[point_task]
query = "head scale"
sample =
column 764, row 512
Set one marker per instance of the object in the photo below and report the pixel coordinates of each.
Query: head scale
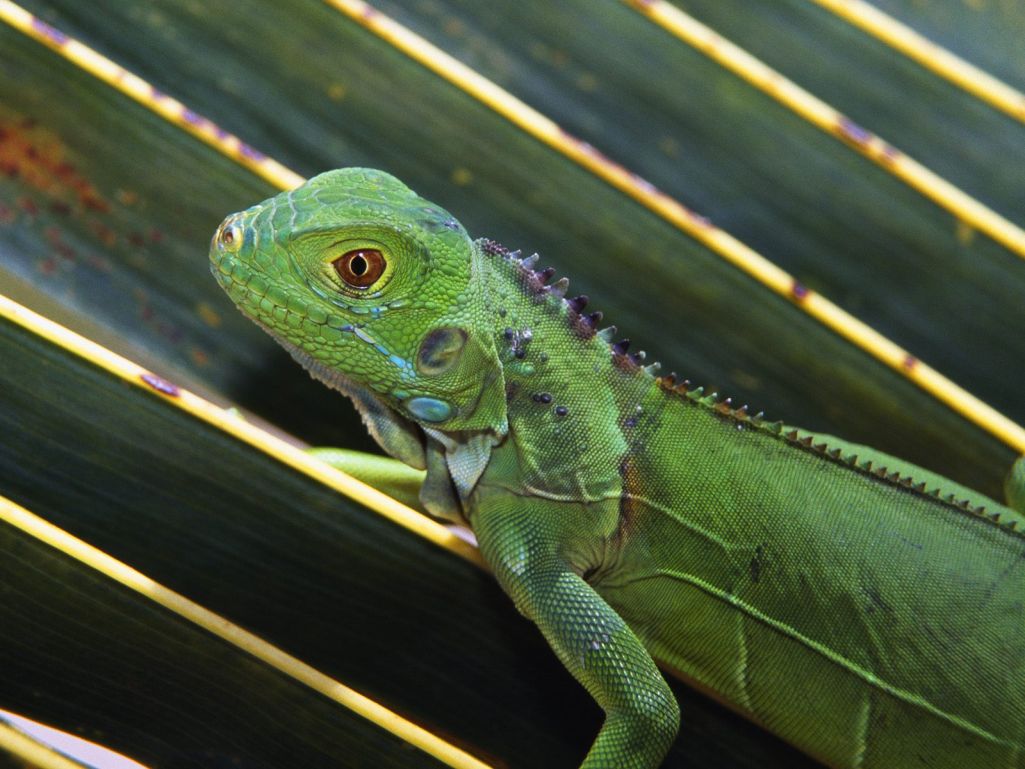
column 372, row 288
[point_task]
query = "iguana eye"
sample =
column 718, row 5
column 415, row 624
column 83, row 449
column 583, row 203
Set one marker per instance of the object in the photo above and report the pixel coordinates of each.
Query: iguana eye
column 360, row 268
column 231, row 237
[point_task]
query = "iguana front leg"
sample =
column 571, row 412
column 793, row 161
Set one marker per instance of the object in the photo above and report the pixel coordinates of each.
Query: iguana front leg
column 523, row 546
column 391, row 476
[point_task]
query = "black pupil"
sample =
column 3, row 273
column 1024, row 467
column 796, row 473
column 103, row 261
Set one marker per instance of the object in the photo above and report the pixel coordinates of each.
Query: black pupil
column 359, row 265
column 229, row 236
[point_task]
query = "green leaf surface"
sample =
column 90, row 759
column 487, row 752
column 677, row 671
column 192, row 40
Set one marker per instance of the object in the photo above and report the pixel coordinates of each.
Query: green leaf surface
column 101, row 658
column 105, row 216
column 988, row 34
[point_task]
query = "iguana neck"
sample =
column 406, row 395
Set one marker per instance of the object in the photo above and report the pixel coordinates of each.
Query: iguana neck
column 565, row 383
column 581, row 408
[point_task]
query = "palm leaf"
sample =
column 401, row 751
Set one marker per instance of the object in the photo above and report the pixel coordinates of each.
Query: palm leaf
column 107, row 210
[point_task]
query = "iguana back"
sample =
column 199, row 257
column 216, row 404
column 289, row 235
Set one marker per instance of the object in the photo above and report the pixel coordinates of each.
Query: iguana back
column 866, row 610
column 867, row 622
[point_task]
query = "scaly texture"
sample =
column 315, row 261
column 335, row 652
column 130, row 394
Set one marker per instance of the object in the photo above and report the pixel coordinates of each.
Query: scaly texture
column 866, row 610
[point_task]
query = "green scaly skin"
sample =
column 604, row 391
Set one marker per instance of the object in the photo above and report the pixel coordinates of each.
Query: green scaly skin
column 872, row 617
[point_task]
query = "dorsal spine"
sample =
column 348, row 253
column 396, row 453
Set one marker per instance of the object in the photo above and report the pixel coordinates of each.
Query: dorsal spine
column 538, row 282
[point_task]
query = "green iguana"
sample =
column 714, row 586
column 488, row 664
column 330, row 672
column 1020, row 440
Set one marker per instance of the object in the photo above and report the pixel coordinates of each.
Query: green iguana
column 866, row 610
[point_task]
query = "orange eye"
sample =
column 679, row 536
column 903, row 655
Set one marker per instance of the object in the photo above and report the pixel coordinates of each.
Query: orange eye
column 360, row 268
column 231, row 238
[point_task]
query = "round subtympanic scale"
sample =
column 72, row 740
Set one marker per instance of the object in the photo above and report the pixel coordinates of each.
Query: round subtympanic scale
column 429, row 409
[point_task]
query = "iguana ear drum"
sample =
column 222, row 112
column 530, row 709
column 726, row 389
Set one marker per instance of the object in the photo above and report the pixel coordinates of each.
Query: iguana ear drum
column 440, row 350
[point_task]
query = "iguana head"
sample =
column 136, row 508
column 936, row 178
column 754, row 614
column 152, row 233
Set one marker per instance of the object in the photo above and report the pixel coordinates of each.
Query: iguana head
column 375, row 290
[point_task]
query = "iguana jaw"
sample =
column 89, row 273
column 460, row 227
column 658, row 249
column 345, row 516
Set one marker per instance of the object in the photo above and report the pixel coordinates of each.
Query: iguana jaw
column 395, row 434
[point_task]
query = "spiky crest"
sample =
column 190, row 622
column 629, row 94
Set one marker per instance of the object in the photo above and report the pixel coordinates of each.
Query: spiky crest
column 587, row 325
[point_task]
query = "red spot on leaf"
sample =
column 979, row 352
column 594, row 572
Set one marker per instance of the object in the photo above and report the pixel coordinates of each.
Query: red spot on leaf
column 644, row 184
column 890, row 154
column 38, row 158
column 162, row 386
column 94, row 203
column 701, row 221
column 103, row 233
column 53, row 35
column 853, row 133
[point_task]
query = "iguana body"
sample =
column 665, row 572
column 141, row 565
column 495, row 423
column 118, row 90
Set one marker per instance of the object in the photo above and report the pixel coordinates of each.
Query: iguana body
column 862, row 614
